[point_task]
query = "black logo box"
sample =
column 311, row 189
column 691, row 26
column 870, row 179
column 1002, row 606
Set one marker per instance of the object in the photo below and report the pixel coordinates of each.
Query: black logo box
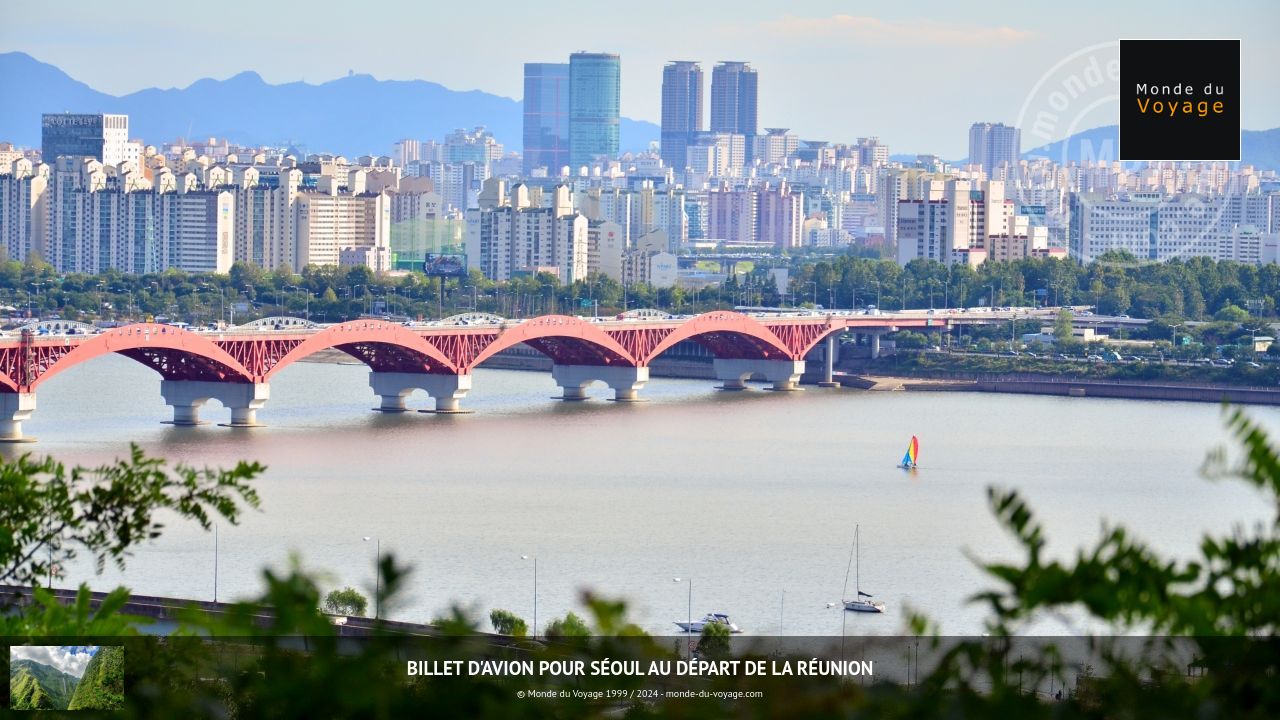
column 1186, row 65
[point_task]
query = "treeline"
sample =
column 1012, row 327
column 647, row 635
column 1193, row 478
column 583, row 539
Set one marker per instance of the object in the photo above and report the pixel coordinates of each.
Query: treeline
column 1195, row 289
column 1117, row 284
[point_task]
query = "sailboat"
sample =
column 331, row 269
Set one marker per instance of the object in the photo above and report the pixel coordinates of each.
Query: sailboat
column 913, row 452
column 858, row 603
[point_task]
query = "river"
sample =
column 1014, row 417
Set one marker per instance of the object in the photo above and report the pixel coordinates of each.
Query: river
column 754, row 496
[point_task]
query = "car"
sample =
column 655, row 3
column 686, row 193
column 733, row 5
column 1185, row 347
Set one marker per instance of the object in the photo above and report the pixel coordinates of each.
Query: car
column 1031, row 354
column 1253, row 364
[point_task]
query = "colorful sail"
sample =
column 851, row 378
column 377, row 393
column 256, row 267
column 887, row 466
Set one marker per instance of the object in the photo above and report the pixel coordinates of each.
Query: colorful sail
column 913, row 452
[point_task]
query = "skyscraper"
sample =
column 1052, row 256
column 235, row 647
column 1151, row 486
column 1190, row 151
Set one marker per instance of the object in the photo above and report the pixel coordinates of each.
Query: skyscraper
column 546, row 116
column 991, row 145
column 595, row 81
column 681, row 110
column 734, row 88
column 101, row 137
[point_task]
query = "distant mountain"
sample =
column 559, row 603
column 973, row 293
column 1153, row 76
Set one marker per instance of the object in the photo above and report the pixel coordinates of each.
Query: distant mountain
column 102, row 687
column 36, row 686
column 353, row 115
column 1259, row 148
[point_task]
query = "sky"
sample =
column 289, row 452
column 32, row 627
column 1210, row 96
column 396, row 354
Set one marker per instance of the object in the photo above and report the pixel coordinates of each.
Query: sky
column 916, row 74
column 70, row 659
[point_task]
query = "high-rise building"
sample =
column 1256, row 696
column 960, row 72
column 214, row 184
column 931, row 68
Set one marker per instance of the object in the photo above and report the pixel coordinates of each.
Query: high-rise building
column 104, row 138
column 508, row 233
column 734, row 87
column 993, row 145
column 329, row 222
column 595, row 82
column 546, row 117
column 681, row 110
column 22, row 209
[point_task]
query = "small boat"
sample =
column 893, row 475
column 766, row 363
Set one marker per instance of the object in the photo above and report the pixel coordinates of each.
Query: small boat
column 708, row 619
column 913, row 452
column 858, row 603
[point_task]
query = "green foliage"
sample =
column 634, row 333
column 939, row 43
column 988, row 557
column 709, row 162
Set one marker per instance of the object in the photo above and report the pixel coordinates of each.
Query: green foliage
column 1232, row 314
column 35, row 686
column 714, row 641
column 1063, row 326
column 48, row 515
column 570, row 626
column 102, row 687
column 347, row 601
column 506, row 622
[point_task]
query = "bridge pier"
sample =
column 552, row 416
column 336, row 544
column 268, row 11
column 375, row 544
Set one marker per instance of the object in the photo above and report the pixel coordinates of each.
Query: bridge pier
column 875, row 345
column 626, row 381
column 14, row 409
column 188, row 396
column 829, row 362
column 394, row 388
column 734, row 372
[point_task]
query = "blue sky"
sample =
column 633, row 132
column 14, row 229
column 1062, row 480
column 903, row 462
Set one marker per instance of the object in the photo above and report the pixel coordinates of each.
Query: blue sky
column 916, row 74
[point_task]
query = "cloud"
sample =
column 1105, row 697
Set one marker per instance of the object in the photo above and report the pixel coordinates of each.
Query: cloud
column 870, row 30
column 70, row 659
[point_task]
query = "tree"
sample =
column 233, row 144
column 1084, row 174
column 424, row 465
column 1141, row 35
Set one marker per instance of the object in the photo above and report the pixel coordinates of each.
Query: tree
column 1232, row 314
column 714, row 640
column 506, row 622
column 347, row 601
column 49, row 514
column 1063, row 325
column 571, row 626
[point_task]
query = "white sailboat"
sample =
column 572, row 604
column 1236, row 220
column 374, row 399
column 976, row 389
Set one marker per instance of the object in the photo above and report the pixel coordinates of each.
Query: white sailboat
column 861, row 601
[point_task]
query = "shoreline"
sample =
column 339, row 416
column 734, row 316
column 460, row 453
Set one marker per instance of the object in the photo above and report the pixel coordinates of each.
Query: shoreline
column 1022, row 384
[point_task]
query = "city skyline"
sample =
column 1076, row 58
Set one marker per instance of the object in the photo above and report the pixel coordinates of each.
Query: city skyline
column 815, row 60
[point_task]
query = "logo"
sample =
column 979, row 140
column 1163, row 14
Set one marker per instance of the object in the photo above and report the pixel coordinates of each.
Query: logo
column 1180, row 100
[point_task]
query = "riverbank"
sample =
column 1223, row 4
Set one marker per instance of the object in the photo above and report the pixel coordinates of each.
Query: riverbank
column 881, row 376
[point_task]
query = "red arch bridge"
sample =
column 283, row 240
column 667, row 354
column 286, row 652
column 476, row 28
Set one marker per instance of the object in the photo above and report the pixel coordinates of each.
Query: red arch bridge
column 235, row 365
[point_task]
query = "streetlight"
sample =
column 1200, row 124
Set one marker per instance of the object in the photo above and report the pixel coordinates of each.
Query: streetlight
column 689, row 626
column 377, row 588
column 215, row 562
column 535, row 592
column 815, row 293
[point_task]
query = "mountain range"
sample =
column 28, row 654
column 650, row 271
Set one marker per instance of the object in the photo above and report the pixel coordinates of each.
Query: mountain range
column 344, row 115
column 353, row 115
column 36, row 686
column 1259, row 148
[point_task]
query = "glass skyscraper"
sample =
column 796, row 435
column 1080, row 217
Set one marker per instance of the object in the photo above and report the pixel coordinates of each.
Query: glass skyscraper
column 546, row 116
column 595, row 81
column 734, row 101
column 681, row 110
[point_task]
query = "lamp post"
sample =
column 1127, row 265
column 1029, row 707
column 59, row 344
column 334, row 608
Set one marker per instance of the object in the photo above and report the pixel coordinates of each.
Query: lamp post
column 377, row 587
column 815, row 293
column 689, row 626
column 534, row 558
column 215, row 562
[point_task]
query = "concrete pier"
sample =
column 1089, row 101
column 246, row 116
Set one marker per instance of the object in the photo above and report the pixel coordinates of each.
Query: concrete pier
column 188, row 396
column 626, row 381
column 395, row 387
column 829, row 362
column 14, row 409
column 784, row 374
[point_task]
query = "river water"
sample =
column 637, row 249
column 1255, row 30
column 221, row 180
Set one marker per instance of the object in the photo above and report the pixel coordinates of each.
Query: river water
column 754, row 496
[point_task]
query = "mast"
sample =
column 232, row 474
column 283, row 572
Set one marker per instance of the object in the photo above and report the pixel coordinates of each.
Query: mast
column 857, row 578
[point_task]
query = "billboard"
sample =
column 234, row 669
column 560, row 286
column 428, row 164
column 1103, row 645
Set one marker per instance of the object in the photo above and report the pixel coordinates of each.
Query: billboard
column 445, row 265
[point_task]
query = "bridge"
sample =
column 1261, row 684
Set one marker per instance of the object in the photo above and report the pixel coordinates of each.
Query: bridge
column 235, row 365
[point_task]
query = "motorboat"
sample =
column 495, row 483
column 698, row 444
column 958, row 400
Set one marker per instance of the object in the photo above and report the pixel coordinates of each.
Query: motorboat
column 709, row 619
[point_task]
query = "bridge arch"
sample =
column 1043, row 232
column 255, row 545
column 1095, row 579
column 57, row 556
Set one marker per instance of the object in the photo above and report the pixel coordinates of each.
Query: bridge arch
column 728, row 335
column 566, row 340
column 175, row 353
column 382, row 345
